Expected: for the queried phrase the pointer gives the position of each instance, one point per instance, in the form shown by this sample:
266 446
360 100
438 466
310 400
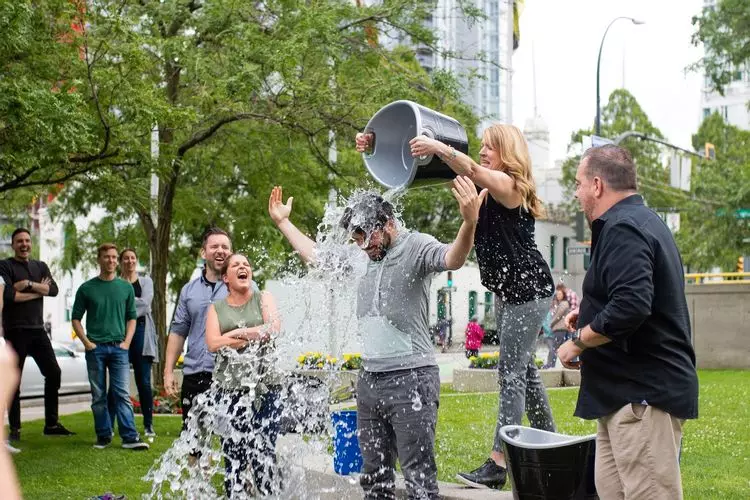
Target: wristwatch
29 286
576 338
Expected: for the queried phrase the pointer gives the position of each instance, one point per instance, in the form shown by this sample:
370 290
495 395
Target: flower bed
491 359
320 361
163 404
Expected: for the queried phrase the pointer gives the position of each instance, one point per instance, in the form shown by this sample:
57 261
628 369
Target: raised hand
469 202
279 211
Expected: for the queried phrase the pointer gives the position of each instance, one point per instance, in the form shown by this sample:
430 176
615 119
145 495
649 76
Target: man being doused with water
239 329
399 385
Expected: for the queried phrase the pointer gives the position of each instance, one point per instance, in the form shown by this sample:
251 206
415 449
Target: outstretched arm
501 186
279 213
468 203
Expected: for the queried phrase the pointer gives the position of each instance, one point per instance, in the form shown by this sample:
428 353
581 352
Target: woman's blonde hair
511 145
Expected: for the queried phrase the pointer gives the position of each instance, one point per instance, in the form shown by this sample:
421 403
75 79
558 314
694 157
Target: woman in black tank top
512 267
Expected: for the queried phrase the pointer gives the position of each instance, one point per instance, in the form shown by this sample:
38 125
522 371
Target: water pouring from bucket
386 150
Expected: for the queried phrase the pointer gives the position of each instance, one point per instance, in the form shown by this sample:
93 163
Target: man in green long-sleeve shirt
109 305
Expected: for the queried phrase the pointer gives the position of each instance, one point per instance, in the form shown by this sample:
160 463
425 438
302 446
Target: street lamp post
598 126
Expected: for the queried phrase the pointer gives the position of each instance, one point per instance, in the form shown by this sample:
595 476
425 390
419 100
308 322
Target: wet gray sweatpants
396 417
521 388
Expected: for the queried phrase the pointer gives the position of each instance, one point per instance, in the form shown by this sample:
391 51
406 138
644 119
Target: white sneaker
11 449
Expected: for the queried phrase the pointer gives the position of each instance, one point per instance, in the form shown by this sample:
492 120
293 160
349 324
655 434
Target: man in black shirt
638 374
30 280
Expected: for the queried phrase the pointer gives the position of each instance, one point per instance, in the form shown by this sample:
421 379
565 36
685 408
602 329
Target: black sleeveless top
509 262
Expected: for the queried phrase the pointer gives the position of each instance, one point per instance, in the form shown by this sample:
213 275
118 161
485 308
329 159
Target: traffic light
740 264
450 279
710 151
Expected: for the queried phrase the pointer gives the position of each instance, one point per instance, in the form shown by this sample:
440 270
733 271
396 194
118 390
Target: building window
494 11
566 242
706 113
472 304
487 304
552 242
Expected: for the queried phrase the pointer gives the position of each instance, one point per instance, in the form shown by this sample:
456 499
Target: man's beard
382 249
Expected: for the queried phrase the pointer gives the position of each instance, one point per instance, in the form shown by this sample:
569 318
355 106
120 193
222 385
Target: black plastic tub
547 465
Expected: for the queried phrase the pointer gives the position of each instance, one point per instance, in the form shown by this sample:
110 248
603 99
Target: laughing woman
511 266
239 330
143 348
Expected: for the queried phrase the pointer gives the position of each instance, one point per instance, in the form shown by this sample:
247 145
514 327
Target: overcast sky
649 58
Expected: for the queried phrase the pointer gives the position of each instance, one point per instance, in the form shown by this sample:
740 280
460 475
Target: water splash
262 393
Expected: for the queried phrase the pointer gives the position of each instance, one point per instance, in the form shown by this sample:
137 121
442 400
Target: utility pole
154 186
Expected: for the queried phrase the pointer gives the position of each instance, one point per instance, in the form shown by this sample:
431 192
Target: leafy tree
623 114
724 31
244 95
713 231
47 135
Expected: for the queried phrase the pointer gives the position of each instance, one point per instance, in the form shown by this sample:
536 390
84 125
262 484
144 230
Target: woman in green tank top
240 330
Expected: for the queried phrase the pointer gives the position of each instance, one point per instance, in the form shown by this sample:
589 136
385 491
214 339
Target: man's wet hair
368 213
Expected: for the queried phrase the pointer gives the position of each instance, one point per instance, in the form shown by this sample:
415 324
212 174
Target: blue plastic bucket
347 457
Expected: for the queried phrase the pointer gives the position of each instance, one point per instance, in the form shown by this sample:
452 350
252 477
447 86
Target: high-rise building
478 50
732 106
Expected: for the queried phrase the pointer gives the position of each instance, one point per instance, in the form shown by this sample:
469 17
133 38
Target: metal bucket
389 158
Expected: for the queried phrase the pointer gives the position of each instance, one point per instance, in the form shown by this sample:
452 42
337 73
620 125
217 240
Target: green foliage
623 114
46 130
245 96
724 31
711 232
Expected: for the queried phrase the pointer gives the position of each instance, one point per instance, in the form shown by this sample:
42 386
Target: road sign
600 141
579 250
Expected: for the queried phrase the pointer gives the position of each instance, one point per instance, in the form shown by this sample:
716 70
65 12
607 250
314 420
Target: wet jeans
142 374
254 430
108 357
521 388
396 417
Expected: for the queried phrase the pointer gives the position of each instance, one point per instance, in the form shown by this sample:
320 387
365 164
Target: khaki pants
637 454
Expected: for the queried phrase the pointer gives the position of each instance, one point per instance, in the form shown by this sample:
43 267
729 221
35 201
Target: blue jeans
142 374
521 388
109 357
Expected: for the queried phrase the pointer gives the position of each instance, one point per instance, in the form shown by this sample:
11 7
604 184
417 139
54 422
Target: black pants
193 385
35 343
255 432
396 418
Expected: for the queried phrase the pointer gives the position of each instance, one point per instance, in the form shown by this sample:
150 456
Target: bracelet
452 153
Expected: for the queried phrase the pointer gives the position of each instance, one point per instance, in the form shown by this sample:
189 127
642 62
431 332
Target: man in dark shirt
638 373
29 281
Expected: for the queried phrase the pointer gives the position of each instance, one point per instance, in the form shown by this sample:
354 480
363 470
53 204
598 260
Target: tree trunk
159 245
160 254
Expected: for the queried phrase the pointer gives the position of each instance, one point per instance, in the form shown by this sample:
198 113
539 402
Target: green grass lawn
716 447
715 459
